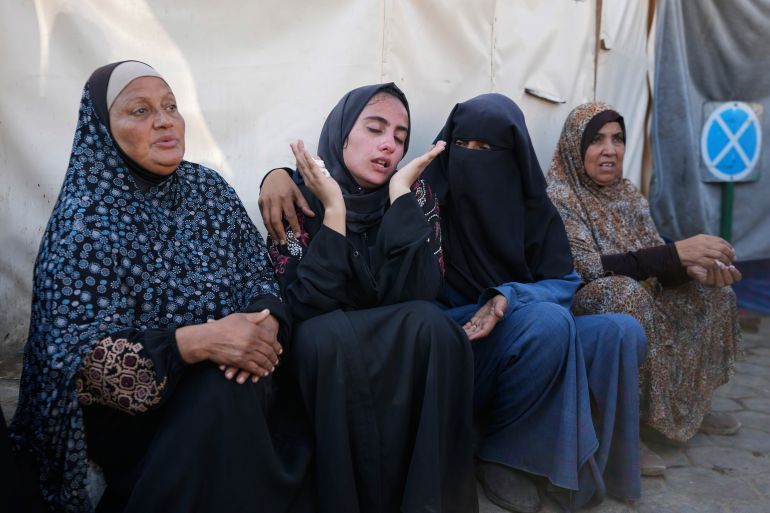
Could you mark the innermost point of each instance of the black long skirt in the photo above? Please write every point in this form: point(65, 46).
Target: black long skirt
point(211, 447)
point(389, 393)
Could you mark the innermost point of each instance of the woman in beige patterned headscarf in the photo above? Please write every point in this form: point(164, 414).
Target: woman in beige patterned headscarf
point(677, 291)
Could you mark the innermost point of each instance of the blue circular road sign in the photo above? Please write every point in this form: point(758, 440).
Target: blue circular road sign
point(731, 141)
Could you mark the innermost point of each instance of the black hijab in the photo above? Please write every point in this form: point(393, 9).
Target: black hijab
point(365, 207)
point(499, 225)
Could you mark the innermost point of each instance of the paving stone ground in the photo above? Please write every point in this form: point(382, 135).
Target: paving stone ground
point(708, 474)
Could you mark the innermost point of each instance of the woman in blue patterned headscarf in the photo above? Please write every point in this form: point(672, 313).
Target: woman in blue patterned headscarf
point(149, 276)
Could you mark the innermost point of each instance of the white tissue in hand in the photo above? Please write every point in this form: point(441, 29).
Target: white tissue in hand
point(320, 163)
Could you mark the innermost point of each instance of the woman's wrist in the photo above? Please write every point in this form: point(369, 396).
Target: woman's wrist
point(191, 342)
point(396, 190)
point(334, 218)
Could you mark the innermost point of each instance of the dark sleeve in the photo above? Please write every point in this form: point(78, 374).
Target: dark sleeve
point(132, 370)
point(314, 272)
point(661, 262)
point(407, 263)
point(279, 310)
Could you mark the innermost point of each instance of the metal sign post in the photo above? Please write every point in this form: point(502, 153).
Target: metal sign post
point(726, 213)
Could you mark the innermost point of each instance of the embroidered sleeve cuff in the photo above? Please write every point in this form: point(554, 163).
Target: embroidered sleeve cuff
point(117, 373)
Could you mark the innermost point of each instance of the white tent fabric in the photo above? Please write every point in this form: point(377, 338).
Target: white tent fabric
point(252, 76)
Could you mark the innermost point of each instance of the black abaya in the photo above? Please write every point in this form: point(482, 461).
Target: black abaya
point(387, 381)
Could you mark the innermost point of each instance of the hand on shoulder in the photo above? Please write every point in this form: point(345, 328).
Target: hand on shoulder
point(277, 199)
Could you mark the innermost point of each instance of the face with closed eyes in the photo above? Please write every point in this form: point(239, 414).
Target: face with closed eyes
point(147, 126)
point(604, 156)
point(375, 144)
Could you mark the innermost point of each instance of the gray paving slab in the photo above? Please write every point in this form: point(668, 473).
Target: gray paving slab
point(762, 485)
point(760, 404)
point(677, 504)
point(758, 356)
point(746, 507)
point(730, 460)
point(725, 404)
point(709, 484)
point(732, 390)
point(672, 455)
point(759, 383)
point(699, 440)
point(751, 341)
point(761, 351)
point(653, 486)
point(747, 438)
point(751, 369)
point(754, 419)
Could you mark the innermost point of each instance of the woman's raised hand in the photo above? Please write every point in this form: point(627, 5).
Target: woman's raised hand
point(277, 198)
point(323, 186)
point(705, 251)
point(401, 182)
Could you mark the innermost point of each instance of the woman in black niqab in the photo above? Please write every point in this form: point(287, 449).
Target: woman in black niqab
point(509, 283)
point(499, 224)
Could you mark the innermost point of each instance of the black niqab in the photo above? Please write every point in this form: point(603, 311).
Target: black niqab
point(499, 225)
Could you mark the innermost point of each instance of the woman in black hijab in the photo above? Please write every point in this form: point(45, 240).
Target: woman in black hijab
point(150, 275)
point(510, 283)
point(385, 375)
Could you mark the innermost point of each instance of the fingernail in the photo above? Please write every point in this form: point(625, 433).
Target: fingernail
point(241, 380)
point(265, 374)
point(221, 367)
point(229, 374)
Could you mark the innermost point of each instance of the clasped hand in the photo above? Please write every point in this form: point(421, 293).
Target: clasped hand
point(245, 345)
point(708, 260)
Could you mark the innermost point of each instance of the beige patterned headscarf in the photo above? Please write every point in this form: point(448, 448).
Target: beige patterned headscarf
point(601, 219)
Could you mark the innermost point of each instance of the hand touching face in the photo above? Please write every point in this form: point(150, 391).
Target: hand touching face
point(375, 144)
